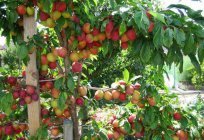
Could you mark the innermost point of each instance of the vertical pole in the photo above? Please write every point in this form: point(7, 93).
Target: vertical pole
point(68, 130)
point(32, 77)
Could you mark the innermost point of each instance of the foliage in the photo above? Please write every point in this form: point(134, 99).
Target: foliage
point(198, 79)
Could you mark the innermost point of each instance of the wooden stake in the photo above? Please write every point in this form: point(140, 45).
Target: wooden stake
point(32, 77)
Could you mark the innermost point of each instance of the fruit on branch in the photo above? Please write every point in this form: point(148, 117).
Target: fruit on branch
point(151, 27)
point(115, 35)
point(30, 89)
point(116, 135)
point(101, 36)
point(55, 15)
point(55, 93)
point(109, 27)
point(58, 112)
point(94, 50)
point(122, 97)
point(51, 57)
point(28, 99)
point(129, 89)
point(50, 23)
point(15, 94)
point(61, 6)
point(148, 14)
point(137, 86)
point(177, 116)
point(22, 93)
point(174, 137)
point(122, 82)
point(13, 106)
point(44, 60)
point(22, 102)
point(8, 130)
point(67, 113)
point(115, 123)
point(89, 38)
point(131, 34)
point(110, 134)
point(49, 84)
point(44, 16)
point(66, 14)
point(44, 112)
point(54, 104)
point(61, 52)
point(74, 57)
point(30, 11)
point(151, 101)
point(52, 65)
point(86, 28)
point(108, 95)
point(11, 80)
point(35, 97)
point(124, 45)
point(140, 104)
point(95, 31)
point(81, 37)
point(182, 135)
point(82, 90)
point(76, 67)
point(99, 95)
point(54, 131)
point(136, 95)
point(44, 67)
point(131, 118)
point(82, 44)
point(115, 94)
point(124, 38)
point(21, 10)
point(80, 101)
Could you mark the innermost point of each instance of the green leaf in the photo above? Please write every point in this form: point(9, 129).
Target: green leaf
point(158, 16)
point(62, 100)
point(59, 83)
point(168, 37)
point(22, 51)
point(189, 45)
point(71, 83)
point(145, 53)
point(195, 63)
point(141, 20)
point(158, 38)
point(201, 52)
point(179, 36)
point(103, 135)
point(122, 28)
point(126, 75)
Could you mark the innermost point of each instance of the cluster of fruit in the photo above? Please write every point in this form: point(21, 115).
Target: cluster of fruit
point(23, 10)
point(12, 129)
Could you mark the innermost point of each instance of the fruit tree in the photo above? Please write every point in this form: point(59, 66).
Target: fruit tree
point(57, 40)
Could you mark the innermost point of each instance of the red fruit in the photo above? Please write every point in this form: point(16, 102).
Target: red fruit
point(81, 37)
point(124, 38)
point(182, 135)
point(30, 89)
point(89, 38)
point(22, 102)
point(109, 26)
point(22, 93)
point(15, 95)
point(8, 130)
point(21, 10)
point(97, 44)
point(14, 107)
point(11, 80)
point(44, 59)
point(24, 73)
point(121, 82)
point(44, 112)
point(28, 99)
point(151, 27)
point(44, 16)
point(95, 31)
point(110, 135)
point(81, 44)
point(115, 123)
point(148, 14)
point(52, 65)
point(54, 131)
point(129, 89)
point(151, 101)
point(62, 52)
point(55, 93)
point(131, 34)
point(76, 67)
point(116, 135)
point(75, 19)
point(177, 116)
point(115, 35)
point(124, 45)
point(61, 6)
point(131, 118)
point(49, 85)
point(86, 28)
point(137, 86)
point(35, 97)
point(122, 97)
point(80, 101)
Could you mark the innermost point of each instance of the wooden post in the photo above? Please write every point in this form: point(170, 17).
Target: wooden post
point(32, 77)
